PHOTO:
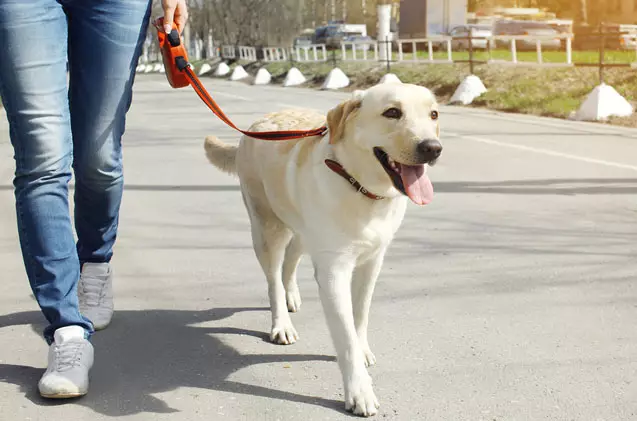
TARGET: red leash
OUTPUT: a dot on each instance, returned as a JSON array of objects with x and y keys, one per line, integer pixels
[{"x": 180, "y": 73}]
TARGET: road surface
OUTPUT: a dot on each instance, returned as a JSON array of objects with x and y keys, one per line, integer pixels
[{"x": 513, "y": 296}]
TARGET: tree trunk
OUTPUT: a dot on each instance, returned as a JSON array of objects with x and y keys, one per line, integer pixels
[
  {"x": 301, "y": 14},
  {"x": 583, "y": 12}
]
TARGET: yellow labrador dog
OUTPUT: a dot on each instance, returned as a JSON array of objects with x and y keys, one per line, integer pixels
[{"x": 339, "y": 199}]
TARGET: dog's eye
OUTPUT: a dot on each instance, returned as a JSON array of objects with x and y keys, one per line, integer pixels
[
  {"x": 394, "y": 113},
  {"x": 434, "y": 115}
]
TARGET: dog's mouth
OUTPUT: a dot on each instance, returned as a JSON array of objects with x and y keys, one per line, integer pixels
[{"x": 410, "y": 180}]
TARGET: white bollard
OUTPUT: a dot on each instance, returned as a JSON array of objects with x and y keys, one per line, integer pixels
[
  {"x": 157, "y": 67},
  {"x": 603, "y": 102},
  {"x": 390, "y": 78},
  {"x": 470, "y": 88},
  {"x": 204, "y": 69},
  {"x": 238, "y": 73},
  {"x": 336, "y": 79},
  {"x": 294, "y": 77},
  {"x": 263, "y": 77},
  {"x": 222, "y": 69}
]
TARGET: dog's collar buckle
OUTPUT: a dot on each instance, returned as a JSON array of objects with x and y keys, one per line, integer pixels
[{"x": 338, "y": 169}]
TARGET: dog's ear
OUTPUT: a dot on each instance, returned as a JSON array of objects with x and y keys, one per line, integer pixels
[{"x": 337, "y": 118}]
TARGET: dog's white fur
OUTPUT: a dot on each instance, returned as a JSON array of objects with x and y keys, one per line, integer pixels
[{"x": 297, "y": 205}]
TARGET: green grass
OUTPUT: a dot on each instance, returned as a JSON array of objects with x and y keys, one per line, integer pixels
[
  {"x": 626, "y": 57},
  {"x": 546, "y": 91},
  {"x": 548, "y": 56}
]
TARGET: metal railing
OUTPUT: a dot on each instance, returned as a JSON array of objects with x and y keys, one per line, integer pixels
[
  {"x": 441, "y": 50},
  {"x": 311, "y": 53}
]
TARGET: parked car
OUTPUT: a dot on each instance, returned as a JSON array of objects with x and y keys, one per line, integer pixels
[
  {"x": 333, "y": 34},
  {"x": 479, "y": 41},
  {"x": 563, "y": 27},
  {"x": 619, "y": 37},
  {"x": 628, "y": 40},
  {"x": 549, "y": 36},
  {"x": 303, "y": 41},
  {"x": 361, "y": 42}
]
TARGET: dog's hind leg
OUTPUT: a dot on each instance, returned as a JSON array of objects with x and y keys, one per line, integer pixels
[
  {"x": 293, "y": 254},
  {"x": 270, "y": 237},
  {"x": 363, "y": 282}
]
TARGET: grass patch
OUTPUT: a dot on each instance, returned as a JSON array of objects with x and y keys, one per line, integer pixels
[
  {"x": 625, "y": 57},
  {"x": 543, "y": 91}
]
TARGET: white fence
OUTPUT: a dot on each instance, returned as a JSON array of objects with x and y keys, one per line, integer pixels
[
  {"x": 247, "y": 53},
  {"x": 228, "y": 51},
  {"x": 271, "y": 54},
  {"x": 355, "y": 51},
  {"x": 310, "y": 53},
  {"x": 439, "y": 49}
]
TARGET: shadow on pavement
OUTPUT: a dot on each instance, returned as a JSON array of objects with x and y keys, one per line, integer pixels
[
  {"x": 586, "y": 186},
  {"x": 147, "y": 352}
]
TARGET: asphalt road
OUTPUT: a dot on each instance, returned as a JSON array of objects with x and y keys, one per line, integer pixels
[{"x": 513, "y": 296}]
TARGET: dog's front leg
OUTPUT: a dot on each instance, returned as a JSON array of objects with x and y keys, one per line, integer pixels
[
  {"x": 334, "y": 276},
  {"x": 363, "y": 282}
]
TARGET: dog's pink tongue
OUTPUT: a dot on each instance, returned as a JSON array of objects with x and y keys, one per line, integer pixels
[{"x": 417, "y": 184}]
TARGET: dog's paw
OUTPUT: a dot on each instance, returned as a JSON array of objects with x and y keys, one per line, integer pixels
[
  {"x": 368, "y": 356},
  {"x": 284, "y": 334},
  {"x": 293, "y": 299},
  {"x": 360, "y": 398}
]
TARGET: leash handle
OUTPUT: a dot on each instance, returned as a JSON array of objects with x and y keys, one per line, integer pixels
[
  {"x": 172, "y": 54},
  {"x": 179, "y": 73}
]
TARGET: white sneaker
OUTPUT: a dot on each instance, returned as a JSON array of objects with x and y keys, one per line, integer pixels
[
  {"x": 95, "y": 293},
  {"x": 70, "y": 359}
]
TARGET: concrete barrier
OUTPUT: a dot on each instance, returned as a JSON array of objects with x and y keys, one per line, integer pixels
[
  {"x": 390, "y": 78},
  {"x": 263, "y": 77},
  {"x": 204, "y": 69},
  {"x": 603, "y": 102},
  {"x": 470, "y": 88},
  {"x": 336, "y": 79},
  {"x": 294, "y": 77},
  {"x": 238, "y": 73},
  {"x": 222, "y": 69}
]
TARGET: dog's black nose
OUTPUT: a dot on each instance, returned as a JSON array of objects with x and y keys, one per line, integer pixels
[{"x": 429, "y": 149}]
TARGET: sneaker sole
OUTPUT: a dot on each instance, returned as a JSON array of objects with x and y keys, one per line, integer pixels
[{"x": 64, "y": 395}]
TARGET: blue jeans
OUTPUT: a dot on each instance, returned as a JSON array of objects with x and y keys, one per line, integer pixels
[{"x": 55, "y": 127}]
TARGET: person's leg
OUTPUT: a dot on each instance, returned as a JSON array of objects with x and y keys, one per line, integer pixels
[
  {"x": 33, "y": 56},
  {"x": 105, "y": 41}
]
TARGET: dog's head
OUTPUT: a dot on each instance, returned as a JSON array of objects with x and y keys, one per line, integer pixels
[{"x": 394, "y": 130}]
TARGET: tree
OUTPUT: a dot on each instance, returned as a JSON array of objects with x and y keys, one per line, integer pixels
[{"x": 583, "y": 11}]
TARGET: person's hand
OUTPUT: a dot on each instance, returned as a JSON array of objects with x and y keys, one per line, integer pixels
[{"x": 174, "y": 11}]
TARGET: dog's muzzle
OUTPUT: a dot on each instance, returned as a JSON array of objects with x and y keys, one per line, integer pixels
[{"x": 428, "y": 150}]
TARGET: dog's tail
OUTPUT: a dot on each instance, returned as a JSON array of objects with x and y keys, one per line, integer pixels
[{"x": 221, "y": 155}]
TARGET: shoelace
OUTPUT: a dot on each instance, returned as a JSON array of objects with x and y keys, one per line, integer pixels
[
  {"x": 93, "y": 291},
  {"x": 68, "y": 355}
]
